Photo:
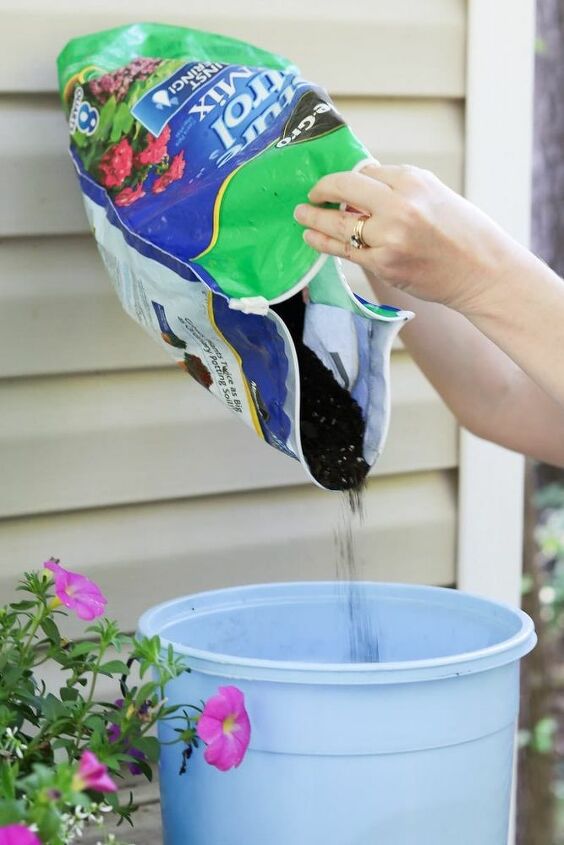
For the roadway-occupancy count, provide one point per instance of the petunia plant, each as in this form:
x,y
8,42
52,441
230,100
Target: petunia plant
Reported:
x,y
64,751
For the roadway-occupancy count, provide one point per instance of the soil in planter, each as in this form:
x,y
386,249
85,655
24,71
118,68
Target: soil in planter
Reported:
x,y
332,435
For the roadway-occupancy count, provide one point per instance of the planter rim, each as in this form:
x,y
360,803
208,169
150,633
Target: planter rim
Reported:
x,y
507,650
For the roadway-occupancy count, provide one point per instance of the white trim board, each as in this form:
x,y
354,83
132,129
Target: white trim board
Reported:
x,y
499,124
498,176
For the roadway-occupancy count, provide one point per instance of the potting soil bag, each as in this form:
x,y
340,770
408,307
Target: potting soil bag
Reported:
x,y
192,151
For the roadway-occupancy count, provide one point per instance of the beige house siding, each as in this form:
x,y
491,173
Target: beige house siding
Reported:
x,y
111,458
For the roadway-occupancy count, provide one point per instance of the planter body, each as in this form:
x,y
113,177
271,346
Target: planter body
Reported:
x,y
414,750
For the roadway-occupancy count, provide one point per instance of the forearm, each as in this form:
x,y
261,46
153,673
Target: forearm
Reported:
x,y
523,314
487,392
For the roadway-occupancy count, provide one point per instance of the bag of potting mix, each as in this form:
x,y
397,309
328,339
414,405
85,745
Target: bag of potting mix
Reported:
x,y
192,151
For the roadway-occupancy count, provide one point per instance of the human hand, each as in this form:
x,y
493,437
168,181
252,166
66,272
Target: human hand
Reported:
x,y
420,236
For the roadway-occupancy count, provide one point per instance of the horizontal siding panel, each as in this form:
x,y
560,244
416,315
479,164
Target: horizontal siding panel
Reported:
x,y
145,554
427,133
408,48
34,141
59,312
78,442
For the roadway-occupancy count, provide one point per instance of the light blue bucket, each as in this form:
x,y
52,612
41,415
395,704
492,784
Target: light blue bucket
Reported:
x,y
414,750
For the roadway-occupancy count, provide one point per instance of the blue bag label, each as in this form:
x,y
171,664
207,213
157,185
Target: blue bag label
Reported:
x,y
200,83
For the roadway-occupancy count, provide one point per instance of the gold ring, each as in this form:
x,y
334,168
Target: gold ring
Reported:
x,y
356,239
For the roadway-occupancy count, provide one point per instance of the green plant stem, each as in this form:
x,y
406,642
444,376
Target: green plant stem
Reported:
x,y
35,623
79,727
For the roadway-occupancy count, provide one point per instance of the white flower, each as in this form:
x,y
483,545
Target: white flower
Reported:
x,y
14,745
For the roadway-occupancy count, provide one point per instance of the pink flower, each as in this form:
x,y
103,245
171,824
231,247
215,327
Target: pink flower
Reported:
x,y
116,164
155,150
173,173
92,774
17,834
225,727
119,81
127,196
77,592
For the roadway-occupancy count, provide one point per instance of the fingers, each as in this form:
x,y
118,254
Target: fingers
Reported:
x,y
398,177
390,174
333,246
335,224
355,189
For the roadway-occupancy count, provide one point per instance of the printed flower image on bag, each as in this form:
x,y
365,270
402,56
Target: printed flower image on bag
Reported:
x,y
192,151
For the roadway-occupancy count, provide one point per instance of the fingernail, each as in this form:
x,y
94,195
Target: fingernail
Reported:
x,y
300,212
307,237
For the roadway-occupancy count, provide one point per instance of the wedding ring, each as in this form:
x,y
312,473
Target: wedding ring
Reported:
x,y
356,239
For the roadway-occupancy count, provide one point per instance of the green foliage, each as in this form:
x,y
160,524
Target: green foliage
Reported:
x,y
43,734
550,538
550,496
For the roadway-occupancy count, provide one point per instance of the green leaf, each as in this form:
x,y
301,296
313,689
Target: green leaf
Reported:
x,y
145,768
22,605
80,139
122,122
542,740
150,746
95,722
62,743
80,649
145,692
68,693
527,584
48,821
106,119
114,667
10,678
11,812
8,781
51,631
53,708
89,157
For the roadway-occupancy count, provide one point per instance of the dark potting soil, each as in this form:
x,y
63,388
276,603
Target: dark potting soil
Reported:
x,y
332,434
362,632
331,422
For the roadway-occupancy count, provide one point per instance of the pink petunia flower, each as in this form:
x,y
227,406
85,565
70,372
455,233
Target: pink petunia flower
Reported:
x,y
17,834
116,164
173,173
225,727
77,592
92,774
128,196
155,150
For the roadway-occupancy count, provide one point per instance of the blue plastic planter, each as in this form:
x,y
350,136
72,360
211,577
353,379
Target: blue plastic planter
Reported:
x,y
414,750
